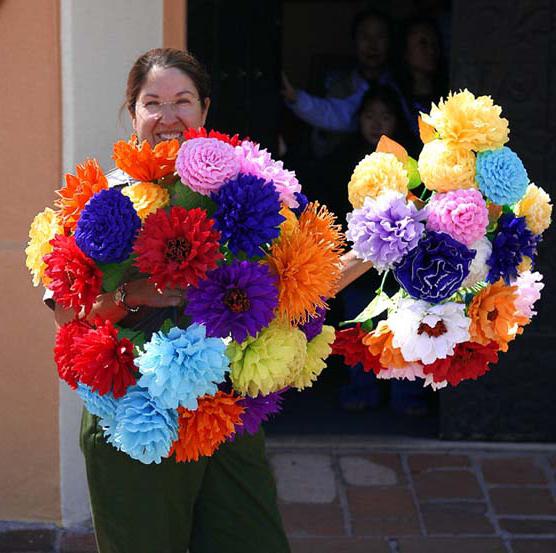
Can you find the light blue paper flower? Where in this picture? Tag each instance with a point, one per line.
(501, 176)
(181, 366)
(141, 427)
(102, 406)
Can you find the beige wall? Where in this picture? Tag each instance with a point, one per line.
(30, 157)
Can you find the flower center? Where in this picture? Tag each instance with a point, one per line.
(177, 249)
(237, 300)
(492, 314)
(434, 331)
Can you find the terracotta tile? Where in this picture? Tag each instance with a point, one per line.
(451, 545)
(339, 545)
(456, 518)
(447, 485)
(512, 470)
(534, 546)
(538, 526)
(386, 527)
(523, 501)
(419, 462)
(312, 519)
(380, 502)
(27, 540)
(78, 542)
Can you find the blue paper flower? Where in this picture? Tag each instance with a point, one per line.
(237, 299)
(302, 201)
(501, 176)
(107, 227)
(102, 406)
(248, 214)
(181, 366)
(258, 410)
(141, 427)
(435, 269)
(512, 241)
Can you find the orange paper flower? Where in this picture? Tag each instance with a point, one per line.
(379, 342)
(78, 190)
(389, 146)
(144, 163)
(306, 260)
(494, 316)
(201, 431)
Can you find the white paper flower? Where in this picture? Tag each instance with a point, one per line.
(479, 268)
(529, 288)
(426, 332)
(412, 372)
(429, 381)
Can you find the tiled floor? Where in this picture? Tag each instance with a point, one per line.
(380, 499)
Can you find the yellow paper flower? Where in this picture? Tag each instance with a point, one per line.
(535, 206)
(443, 167)
(525, 265)
(469, 122)
(268, 362)
(318, 349)
(43, 228)
(375, 174)
(147, 197)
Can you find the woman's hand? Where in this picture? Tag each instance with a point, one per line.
(352, 269)
(288, 91)
(144, 292)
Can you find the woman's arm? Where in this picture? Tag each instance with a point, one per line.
(352, 269)
(139, 293)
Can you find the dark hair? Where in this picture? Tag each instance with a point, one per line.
(440, 79)
(165, 58)
(362, 16)
(391, 99)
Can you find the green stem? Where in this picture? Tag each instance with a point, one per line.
(379, 291)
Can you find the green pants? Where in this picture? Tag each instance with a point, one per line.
(222, 504)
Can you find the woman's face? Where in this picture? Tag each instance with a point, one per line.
(423, 50)
(377, 119)
(372, 42)
(168, 104)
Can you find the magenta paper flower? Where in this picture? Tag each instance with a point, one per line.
(462, 214)
(205, 164)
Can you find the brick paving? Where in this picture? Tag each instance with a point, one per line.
(362, 498)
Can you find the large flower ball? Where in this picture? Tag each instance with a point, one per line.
(107, 227)
(462, 214)
(374, 174)
(470, 122)
(444, 166)
(204, 164)
(435, 269)
(535, 206)
(501, 176)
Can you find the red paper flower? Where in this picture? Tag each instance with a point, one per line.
(201, 132)
(104, 362)
(177, 248)
(349, 344)
(64, 350)
(75, 279)
(469, 361)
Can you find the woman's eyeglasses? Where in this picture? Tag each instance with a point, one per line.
(155, 108)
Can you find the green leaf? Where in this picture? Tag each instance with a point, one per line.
(136, 337)
(185, 197)
(413, 173)
(167, 325)
(113, 273)
(367, 326)
(380, 303)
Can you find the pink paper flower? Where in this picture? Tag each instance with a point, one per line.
(204, 164)
(529, 288)
(412, 371)
(254, 161)
(460, 213)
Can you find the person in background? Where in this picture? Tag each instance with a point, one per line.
(335, 116)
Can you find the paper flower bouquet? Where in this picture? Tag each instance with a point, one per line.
(462, 254)
(220, 219)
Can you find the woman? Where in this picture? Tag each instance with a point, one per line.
(224, 503)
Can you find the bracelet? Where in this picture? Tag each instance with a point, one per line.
(119, 298)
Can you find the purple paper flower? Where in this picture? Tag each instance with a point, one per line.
(313, 326)
(385, 229)
(512, 241)
(107, 227)
(247, 214)
(237, 299)
(258, 410)
(435, 269)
